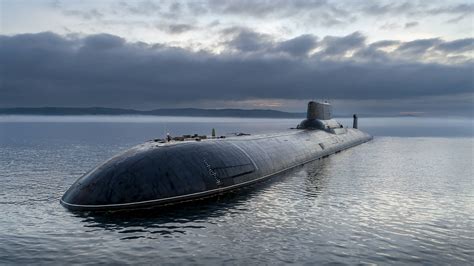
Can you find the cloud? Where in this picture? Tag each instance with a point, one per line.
(457, 46)
(375, 8)
(333, 12)
(390, 26)
(105, 70)
(460, 12)
(384, 43)
(246, 40)
(411, 24)
(417, 47)
(175, 28)
(340, 45)
(459, 9)
(139, 7)
(264, 8)
(298, 46)
(315, 12)
(86, 15)
(102, 41)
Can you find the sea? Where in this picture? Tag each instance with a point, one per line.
(407, 197)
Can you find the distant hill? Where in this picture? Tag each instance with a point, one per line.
(156, 112)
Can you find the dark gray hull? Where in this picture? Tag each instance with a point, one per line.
(154, 174)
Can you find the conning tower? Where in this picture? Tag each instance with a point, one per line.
(319, 116)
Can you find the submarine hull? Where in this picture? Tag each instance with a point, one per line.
(156, 174)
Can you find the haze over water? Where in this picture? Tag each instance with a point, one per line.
(405, 197)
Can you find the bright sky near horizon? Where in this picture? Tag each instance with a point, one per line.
(372, 56)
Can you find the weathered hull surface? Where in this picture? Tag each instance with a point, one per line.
(154, 174)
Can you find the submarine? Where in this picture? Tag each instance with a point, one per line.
(167, 172)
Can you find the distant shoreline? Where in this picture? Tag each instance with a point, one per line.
(182, 112)
(194, 112)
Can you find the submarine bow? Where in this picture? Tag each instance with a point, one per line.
(152, 173)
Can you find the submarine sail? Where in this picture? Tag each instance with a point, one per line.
(159, 173)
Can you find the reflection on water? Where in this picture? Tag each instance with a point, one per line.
(395, 200)
(314, 178)
(176, 219)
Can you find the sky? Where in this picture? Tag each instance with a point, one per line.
(377, 57)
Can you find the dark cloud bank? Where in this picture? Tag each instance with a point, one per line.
(47, 69)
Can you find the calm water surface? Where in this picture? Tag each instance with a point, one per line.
(405, 197)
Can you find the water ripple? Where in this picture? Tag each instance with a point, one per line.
(379, 203)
